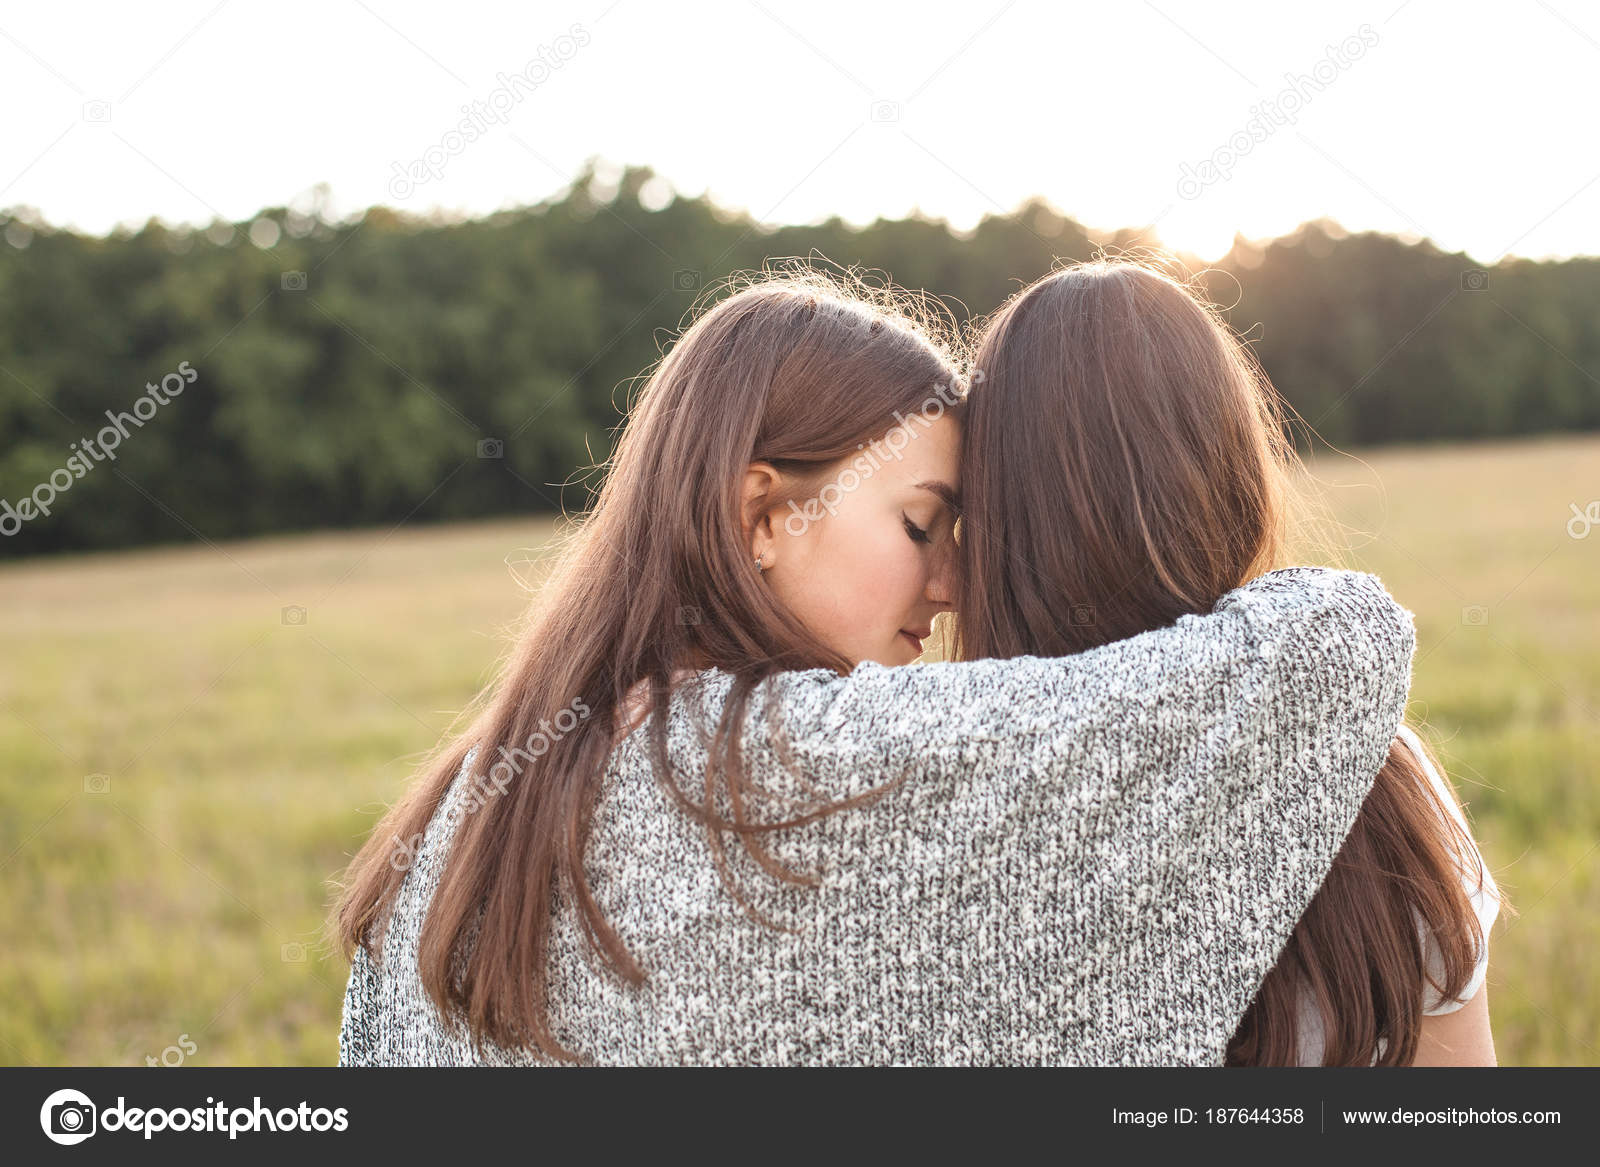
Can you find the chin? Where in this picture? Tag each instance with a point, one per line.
(889, 659)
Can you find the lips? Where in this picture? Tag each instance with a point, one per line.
(916, 638)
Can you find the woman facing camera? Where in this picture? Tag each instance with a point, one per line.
(705, 816)
(1155, 448)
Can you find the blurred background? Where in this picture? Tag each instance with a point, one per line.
(315, 318)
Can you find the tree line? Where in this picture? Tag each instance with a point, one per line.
(292, 373)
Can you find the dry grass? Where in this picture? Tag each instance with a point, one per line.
(244, 758)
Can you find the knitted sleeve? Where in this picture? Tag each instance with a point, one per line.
(1303, 665)
(1198, 778)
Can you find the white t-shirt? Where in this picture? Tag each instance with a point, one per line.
(1485, 903)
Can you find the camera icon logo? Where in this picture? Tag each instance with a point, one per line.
(292, 953)
(1474, 279)
(67, 1117)
(294, 281)
(685, 280)
(294, 615)
(97, 110)
(97, 784)
(491, 448)
(1083, 615)
(1475, 615)
(886, 111)
(688, 615)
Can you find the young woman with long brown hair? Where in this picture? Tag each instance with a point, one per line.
(1160, 474)
(704, 816)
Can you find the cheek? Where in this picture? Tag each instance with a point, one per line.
(879, 573)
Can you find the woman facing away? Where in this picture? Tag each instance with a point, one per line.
(805, 854)
(1161, 468)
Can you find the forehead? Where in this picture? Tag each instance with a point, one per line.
(922, 448)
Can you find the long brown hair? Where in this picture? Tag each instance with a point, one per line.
(799, 368)
(1125, 463)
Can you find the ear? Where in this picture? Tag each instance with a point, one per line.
(762, 482)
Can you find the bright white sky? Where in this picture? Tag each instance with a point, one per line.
(1471, 124)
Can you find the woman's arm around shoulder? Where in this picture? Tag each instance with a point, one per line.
(1302, 670)
(1186, 789)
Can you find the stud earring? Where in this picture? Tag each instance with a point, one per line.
(760, 567)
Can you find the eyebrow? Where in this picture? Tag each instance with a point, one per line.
(947, 493)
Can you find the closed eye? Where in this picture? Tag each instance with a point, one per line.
(917, 534)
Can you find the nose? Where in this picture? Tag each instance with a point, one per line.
(941, 589)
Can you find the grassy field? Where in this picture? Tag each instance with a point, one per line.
(194, 740)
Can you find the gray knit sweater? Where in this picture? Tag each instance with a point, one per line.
(1095, 859)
